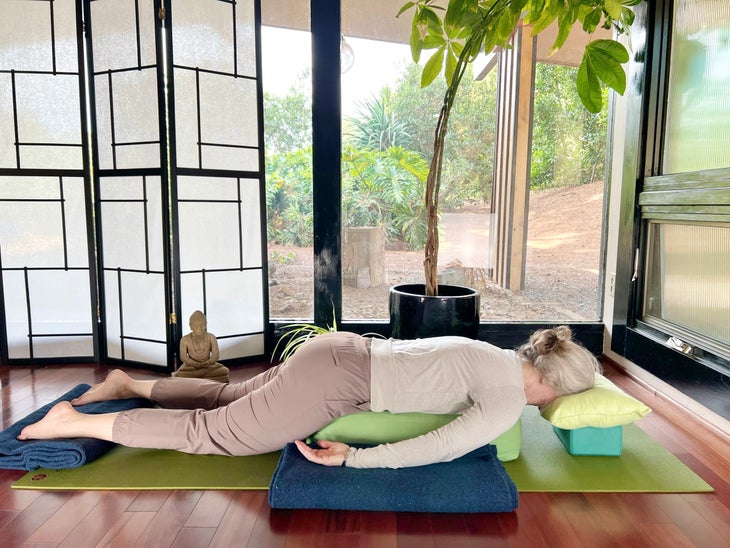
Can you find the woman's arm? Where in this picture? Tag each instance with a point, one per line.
(494, 414)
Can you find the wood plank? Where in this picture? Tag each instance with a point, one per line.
(210, 509)
(168, 521)
(194, 537)
(95, 525)
(689, 521)
(555, 527)
(716, 514)
(63, 521)
(587, 523)
(27, 522)
(149, 501)
(306, 528)
(14, 499)
(239, 518)
(127, 529)
(379, 530)
(452, 530)
(620, 520)
(414, 530)
(665, 534)
(270, 528)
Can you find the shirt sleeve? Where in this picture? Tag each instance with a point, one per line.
(491, 415)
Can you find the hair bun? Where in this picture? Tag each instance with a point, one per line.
(549, 340)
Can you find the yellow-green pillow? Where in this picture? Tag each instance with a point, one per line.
(603, 406)
(384, 427)
(381, 427)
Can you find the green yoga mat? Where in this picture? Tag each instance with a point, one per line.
(544, 465)
(644, 465)
(150, 469)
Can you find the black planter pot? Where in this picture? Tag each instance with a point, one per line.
(413, 315)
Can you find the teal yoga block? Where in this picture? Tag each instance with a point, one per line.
(592, 441)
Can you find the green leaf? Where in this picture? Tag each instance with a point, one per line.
(431, 41)
(564, 26)
(457, 48)
(589, 87)
(405, 7)
(544, 19)
(605, 58)
(432, 68)
(506, 25)
(416, 42)
(610, 47)
(592, 20)
(451, 60)
(627, 17)
(613, 8)
(452, 17)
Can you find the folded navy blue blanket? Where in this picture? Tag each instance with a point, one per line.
(59, 453)
(476, 482)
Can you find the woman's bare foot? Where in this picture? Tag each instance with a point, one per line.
(63, 421)
(53, 425)
(115, 387)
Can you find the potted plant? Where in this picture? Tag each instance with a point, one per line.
(467, 28)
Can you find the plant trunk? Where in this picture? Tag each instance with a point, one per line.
(433, 181)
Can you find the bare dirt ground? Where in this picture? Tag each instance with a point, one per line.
(561, 278)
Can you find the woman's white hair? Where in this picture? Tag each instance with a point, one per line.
(565, 365)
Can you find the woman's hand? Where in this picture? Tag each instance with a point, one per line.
(332, 453)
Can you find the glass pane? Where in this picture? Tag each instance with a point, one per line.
(383, 188)
(25, 35)
(219, 223)
(565, 204)
(48, 114)
(119, 41)
(216, 111)
(220, 236)
(16, 314)
(40, 100)
(133, 268)
(203, 35)
(231, 300)
(288, 138)
(132, 227)
(698, 107)
(126, 100)
(136, 324)
(44, 257)
(688, 282)
(57, 292)
(7, 123)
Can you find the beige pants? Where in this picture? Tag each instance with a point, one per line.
(326, 378)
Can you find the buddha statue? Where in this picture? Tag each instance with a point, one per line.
(199, 352)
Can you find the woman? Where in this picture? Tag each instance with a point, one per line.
(333, 375)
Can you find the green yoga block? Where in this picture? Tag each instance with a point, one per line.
(592, 441)
(509, 443)
(384, 427)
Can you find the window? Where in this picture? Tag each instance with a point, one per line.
(686, 209)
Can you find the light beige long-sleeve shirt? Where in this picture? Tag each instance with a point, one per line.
(479, 381)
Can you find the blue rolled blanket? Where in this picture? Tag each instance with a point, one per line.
(476, 482)
(59, 453)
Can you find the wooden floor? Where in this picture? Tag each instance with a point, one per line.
(243, 518)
